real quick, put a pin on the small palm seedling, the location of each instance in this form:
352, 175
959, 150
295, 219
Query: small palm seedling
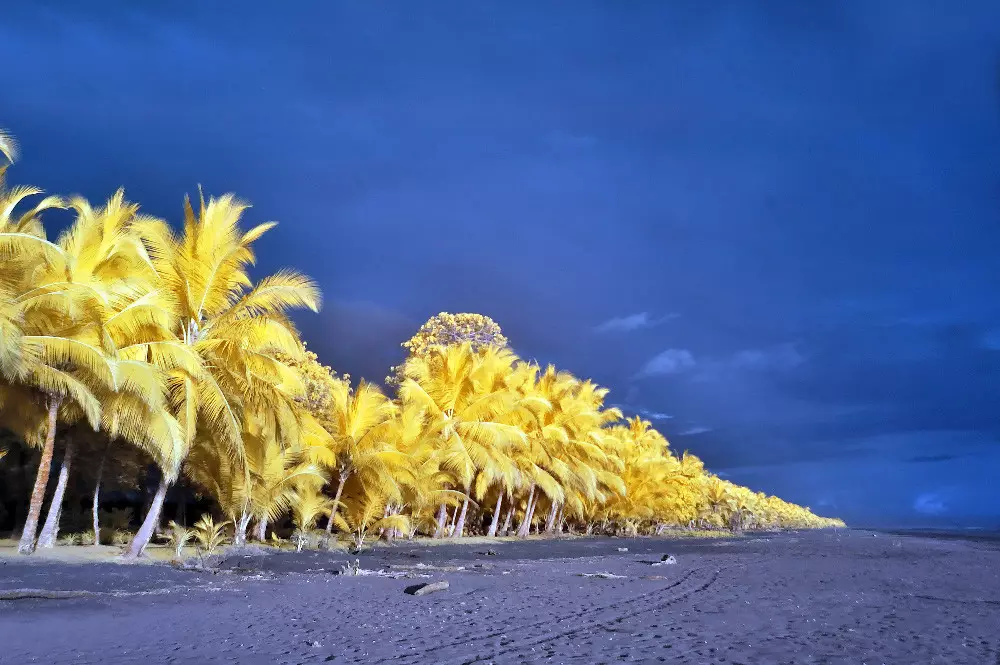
179, 537
209, 534
368, 517
307, 506
351, 569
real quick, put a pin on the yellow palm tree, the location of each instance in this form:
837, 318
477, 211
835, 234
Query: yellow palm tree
360, 423
100, 276
220, 349
467, 402
63, 353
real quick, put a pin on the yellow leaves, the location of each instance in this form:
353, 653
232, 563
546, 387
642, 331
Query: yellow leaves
308, 504
8, 146
163, 339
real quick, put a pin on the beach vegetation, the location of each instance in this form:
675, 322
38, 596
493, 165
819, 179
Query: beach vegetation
151, 360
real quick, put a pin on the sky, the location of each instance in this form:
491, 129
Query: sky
773, 229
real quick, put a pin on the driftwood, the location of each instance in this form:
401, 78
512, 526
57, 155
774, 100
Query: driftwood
424, 589
603, 576
29, 594
57, 594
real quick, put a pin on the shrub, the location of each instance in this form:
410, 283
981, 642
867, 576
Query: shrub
178, 537
209, 534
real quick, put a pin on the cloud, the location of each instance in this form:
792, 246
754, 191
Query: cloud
691, 431
632, 322
784, 356
671, 361
654, 415
930, 503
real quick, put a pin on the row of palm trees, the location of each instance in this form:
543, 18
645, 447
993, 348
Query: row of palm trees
160, 340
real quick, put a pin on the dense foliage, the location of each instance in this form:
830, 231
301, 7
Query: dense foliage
159, 341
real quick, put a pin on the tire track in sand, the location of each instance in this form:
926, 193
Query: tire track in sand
686, 584
692, 584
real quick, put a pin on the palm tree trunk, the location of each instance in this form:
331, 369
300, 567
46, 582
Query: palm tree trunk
506, 522
145, 533
550, 521
240, 530
522, 531
495, 522
561, 520
460, 527
262, 529
27, 544
50, 531
97, 496
336, 500
531, 514
442, 518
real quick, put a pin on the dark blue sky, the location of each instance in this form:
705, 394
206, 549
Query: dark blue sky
773, 228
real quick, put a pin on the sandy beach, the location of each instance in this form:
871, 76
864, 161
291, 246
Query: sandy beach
825, 597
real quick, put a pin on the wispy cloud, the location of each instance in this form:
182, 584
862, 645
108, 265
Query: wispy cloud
691, 431
649, 414
654, 415
930, 503
671, 361
784, 356
620, 324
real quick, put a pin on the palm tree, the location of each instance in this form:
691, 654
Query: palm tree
102, 268
361, 427
62, 354
466, 400
220, 349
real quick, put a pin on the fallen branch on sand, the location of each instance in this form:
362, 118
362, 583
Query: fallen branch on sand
27, 594
603, 576
54, 594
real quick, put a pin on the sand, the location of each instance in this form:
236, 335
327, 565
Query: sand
822, 597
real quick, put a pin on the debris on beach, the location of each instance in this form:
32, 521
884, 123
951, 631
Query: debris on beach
424, 589
427, 566
603, 576
48, 594
354, 569
666, 560
623, 549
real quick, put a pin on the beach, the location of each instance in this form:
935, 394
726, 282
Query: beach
831, 596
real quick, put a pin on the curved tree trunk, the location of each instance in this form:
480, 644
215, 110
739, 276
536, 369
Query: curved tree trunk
460, 526
145, 533
97, 496
240, 530
522, 531
27, 543
261, 534
495, 522
50, 531
344, 475
442, 518
550, 521
531, 514
507, 520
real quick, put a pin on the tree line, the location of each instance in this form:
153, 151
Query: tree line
127, 335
